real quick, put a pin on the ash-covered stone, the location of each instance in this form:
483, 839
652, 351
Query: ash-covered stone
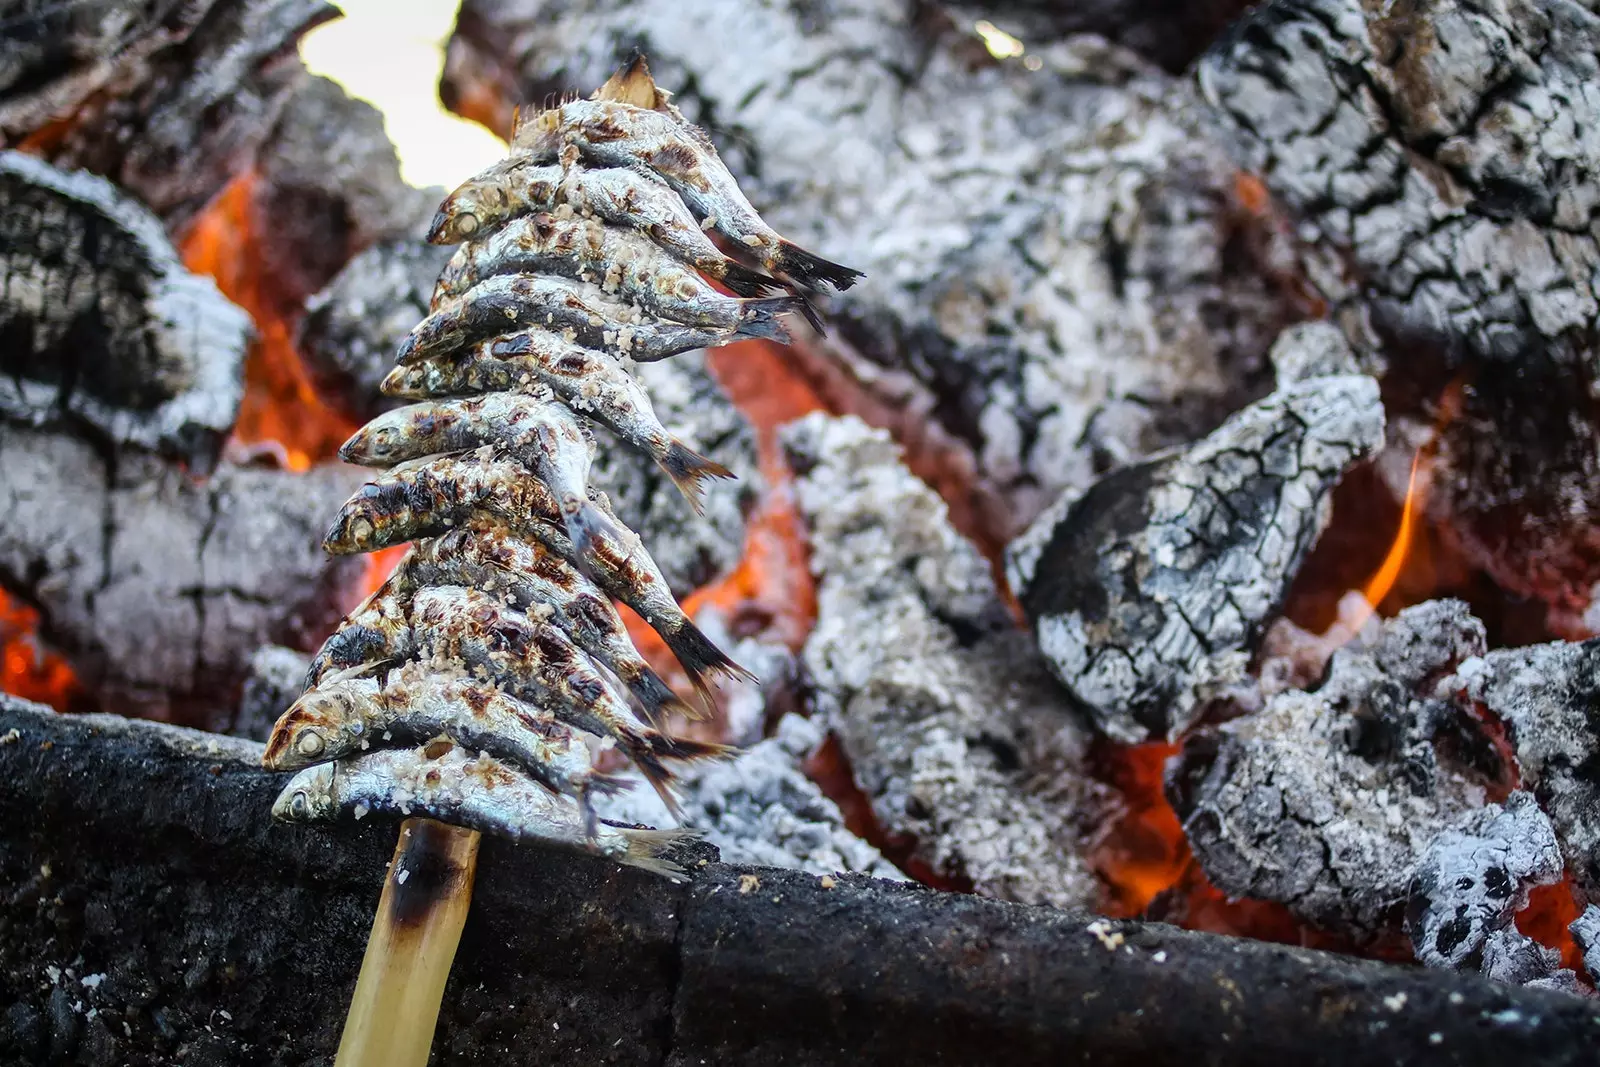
169, 101
1547, 696
1514, 958
104, 324
1445, 155
157, 587
276, 679
953, 727
760, 808
1325, 801
1585, 930
353, 326
1058, 267
1473, 879
1148, 591
690, 549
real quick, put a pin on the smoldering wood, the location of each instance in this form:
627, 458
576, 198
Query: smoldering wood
955, 732
1148, 591
1545, 695
1444, 161
158, 587
103, 326
168, 102
1325, 800
1013, 250
152, 904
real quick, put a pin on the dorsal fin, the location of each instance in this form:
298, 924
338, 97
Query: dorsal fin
632, 84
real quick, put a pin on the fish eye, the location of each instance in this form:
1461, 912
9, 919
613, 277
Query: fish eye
311, 743
300, 805
467, 223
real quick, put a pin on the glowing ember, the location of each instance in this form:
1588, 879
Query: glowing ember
1550, 910
1144, 852
26, 669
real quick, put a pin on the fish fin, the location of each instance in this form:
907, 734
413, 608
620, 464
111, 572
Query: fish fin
640, 748
761, 317
585, 525
645, 848
632, 84
688, 469
746, 281
700, 657
810, 270
682, 748
607, 785
658, 699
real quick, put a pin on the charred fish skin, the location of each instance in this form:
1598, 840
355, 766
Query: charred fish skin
617, 128
622, 261
378, 630
440, 781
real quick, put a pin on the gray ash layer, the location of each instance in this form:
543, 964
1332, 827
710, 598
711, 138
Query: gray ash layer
951, 723
1473, 879
1057, 267
1147, 592
1585, 930
1444, 158
1325, 801
1547, 696
105, 323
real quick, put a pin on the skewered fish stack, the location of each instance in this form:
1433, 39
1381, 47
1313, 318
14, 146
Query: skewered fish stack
465, 687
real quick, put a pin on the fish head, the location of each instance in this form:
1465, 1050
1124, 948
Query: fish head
356, 527
407, 383
328, 723
477, 205
308, 797
394, 436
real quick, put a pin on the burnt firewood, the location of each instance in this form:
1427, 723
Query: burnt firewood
151, 890
168, 102
1169, 32
1148, 590
103, 326
1014, 251
1326, 800
1546, 697
1469, 884
956, 733
1448, 155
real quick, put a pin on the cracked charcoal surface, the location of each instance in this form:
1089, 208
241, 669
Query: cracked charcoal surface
1448, 152
1585, 930
1514, 958
1474, 877
168, 101
1055, 265
1547, 695
353, 326
159, 588
760, 808
1147, 592
954, 729
1325, 801
104, 323
276, 678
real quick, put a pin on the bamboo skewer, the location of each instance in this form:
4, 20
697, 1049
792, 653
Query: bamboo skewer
413, 942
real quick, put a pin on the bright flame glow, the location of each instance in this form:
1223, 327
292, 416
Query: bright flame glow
1379, 585
1000, 44
390, 54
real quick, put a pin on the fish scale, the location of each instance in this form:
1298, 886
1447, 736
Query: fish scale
496, 637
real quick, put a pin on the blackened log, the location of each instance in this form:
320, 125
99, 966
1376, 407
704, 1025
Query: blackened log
169, 101
1015, 252
156, 908
101, 324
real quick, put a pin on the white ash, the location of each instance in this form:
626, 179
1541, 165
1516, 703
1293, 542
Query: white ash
952, 725
276, 680
1474, 877
1054, 256
1514, 958
1149, 591
759, 808
1585, 930
745, 705
1547, 695
1325, 801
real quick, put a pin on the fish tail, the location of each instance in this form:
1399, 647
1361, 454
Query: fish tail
645, 848
759, 318
658, 699
811, 270
682, 748
700, 657
745, 281
606, 785
688, 469
641, 750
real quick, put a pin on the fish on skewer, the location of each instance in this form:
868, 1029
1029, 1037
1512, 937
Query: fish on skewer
534, 660
623, 196
378, 631
586, 381
630, 122
543, 435
441, 781
621, 261
597, 320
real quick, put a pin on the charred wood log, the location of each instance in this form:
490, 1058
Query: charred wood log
1027, 251
1447, 154
170, 857
955, 732
1147, 592
1169, 32
169, 102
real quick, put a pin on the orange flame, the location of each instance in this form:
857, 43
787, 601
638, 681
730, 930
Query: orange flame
28, 670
